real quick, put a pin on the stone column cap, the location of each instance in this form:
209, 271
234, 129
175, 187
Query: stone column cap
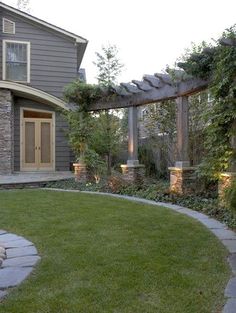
189, 168
132, 166
228, 174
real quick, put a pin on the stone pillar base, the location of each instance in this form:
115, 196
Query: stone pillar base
80, 172
183, 180
133, 173
225, 182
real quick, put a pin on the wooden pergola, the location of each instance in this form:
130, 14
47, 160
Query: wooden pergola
177, 85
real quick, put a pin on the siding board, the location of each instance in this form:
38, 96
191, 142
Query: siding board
50, 55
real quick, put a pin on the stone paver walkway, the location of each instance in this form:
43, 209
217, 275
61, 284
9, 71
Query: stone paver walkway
33, 177
18, 257
220, 230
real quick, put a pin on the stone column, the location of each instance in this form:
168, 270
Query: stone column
133, 171
6, 132
182, 176
80, 170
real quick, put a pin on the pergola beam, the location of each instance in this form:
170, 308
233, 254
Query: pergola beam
139, 97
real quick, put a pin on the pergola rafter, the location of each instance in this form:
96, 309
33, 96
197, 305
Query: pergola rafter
153, 88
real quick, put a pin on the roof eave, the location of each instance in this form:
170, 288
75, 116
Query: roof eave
77, 38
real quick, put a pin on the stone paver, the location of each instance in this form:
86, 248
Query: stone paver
19, 252
17, 243
194, 214
230, 245
9, 237
23, 261
13, 276
232, 262
230, 290
212, 224
224, 233
230, 306
174, 207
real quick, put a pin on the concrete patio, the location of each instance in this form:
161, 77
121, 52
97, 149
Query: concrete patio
31, 179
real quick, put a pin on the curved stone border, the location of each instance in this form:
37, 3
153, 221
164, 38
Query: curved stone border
21, 257
220, 230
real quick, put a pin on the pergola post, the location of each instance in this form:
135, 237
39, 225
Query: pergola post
182, 176
133, 171
182, 132
132, 136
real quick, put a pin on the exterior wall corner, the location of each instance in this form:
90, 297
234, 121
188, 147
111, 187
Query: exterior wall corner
6, 132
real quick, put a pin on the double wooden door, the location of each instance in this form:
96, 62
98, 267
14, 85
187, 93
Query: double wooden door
37, 144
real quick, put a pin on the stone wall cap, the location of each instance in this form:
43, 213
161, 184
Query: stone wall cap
228, 174
132, 166
189, 168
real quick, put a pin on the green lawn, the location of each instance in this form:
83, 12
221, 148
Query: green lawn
106, 255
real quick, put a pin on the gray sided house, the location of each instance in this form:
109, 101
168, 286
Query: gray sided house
37, 60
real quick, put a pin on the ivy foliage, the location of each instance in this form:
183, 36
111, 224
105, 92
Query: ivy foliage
218, 65
82, 94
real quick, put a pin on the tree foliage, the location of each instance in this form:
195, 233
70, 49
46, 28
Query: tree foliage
108, 68
108, 65
79, 119
23, 5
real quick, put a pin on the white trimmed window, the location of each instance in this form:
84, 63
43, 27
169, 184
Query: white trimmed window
16, 61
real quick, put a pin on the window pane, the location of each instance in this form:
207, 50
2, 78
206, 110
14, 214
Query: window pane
16, 52
16, 61
16, 71
36, 114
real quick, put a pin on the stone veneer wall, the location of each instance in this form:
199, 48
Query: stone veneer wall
6, 132
81, 175
183, 180
133, 174
226, 180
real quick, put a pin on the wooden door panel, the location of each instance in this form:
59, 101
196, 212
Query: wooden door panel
29, 144
45, 152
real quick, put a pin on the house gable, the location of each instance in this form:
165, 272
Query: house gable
55, 55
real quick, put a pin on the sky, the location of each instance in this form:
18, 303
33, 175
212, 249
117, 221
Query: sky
149, 34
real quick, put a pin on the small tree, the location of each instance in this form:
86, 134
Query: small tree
109, 68
24, 5
79, 119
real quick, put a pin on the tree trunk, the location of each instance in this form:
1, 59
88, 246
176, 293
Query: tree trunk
109, 163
